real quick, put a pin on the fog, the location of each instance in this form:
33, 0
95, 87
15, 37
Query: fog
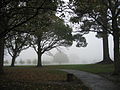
76, 55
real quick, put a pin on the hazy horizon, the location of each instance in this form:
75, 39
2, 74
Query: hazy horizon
90, 54
77, 55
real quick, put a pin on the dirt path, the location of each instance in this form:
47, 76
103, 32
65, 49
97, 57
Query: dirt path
93, 81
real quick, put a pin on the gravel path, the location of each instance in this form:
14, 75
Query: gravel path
93, 81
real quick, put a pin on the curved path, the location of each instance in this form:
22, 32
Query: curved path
95, 82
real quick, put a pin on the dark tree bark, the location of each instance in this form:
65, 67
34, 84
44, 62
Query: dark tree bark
116, 44
116, 54
13, 60
39, 64
106, 56
1, 55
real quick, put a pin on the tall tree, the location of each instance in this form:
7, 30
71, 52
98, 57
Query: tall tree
106, 56
15, 43
93, 9
57, 34
88, 22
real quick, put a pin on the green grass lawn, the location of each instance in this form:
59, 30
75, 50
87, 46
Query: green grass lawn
47, 77
94, 68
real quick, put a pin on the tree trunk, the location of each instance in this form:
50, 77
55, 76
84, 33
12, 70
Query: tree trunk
1, 55
116, 53
13, 61
116, 34
106, 56
39, 64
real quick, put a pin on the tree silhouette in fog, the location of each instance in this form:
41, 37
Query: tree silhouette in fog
60, 58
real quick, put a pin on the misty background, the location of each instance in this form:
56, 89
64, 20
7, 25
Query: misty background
76, 55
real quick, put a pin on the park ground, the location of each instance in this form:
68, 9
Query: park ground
50, 78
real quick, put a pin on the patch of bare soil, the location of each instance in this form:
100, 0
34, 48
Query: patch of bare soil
38, 79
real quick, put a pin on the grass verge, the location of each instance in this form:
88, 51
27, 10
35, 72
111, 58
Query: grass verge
93, 68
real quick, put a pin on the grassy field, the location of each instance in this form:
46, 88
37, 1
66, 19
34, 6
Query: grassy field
93, 68
32, 78
48, 77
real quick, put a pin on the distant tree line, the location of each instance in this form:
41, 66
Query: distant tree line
28, 62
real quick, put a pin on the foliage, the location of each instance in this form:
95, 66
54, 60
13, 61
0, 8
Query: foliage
14, 13
92, 9
54, 35
47, 32
99, 19
81, 41
15, 43
106, 14
101, 34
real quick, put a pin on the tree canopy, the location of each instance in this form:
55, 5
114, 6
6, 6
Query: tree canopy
15, 43
98, 10
47, 37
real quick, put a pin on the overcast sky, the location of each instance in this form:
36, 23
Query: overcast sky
90, 54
